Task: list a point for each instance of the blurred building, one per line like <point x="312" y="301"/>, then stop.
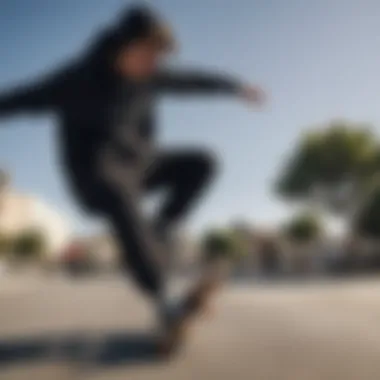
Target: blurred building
<point x="22" y="212"/>
<point x="268" y="252"/>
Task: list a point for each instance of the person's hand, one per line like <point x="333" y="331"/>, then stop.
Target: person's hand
<point x="253" y="95"/>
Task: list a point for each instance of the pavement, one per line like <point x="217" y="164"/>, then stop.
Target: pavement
<point x="101" y="329"/>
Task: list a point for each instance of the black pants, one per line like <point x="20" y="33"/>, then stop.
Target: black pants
<point x="184" y="174"/>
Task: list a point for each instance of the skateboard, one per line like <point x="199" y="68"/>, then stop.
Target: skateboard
<point x="195" y="303"/>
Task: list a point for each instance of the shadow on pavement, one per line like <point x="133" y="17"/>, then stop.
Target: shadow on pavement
<point x="109" y="349"/>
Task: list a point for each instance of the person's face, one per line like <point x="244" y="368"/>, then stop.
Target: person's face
<point x="139" y="61"/>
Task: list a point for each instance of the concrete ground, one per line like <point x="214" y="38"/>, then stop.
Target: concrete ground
<point x="56" y="329"/>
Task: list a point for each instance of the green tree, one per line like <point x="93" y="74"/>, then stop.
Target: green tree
<point x="303" y="228"/>
<point x="331" y="166"/>
<point x="29" y="244"/>
<point x="5" y="244"/>
<point x="220" y="243"/>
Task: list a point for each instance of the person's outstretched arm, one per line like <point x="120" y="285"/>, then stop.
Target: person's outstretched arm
<point x="198" y="82"/>
<point x="44" y="95"/>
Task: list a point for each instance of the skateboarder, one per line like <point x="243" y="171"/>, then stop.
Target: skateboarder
<point x="104" y="102"/>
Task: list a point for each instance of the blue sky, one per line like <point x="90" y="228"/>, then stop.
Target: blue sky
<point x="319" y="60"/>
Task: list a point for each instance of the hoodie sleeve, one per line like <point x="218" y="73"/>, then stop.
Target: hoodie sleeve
<point x="45" y="95"/>
<point x="193" y="82"/>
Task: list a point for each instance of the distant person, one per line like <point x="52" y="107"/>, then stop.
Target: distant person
<point x="105" y="103"/>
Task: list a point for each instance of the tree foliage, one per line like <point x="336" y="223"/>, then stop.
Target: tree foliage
<point x="29" y="244"/>
<point x="338" y="161"/>
<point x="303" y="228"/>
<point x="220" y="244"/>
<point x="5" y="244"/>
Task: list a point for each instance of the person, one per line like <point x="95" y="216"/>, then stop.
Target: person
<point x="105" y="104"/>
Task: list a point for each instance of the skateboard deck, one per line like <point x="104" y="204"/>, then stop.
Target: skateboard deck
<point x="195" y="303"/>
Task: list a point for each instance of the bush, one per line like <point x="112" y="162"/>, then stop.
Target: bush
<point x="5" y="244"/>
<point x="29" y="244"/>
<point x="303" y="228"/>
<point x="220" y="244"/>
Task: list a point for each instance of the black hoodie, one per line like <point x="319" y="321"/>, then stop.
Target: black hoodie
<point x="95" y="107"/>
